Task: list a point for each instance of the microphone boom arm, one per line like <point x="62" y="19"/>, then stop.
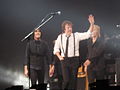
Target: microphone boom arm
<point x="37" y="27"/>
<point x="44" y="22"/>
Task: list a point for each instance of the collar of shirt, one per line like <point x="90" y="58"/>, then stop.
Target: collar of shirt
<point x="65" y="35"/>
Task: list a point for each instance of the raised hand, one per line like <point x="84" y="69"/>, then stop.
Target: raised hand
<point x="91" y="19"/>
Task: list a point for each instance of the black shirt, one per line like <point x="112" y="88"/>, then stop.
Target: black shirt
<point x="36" y="53"/>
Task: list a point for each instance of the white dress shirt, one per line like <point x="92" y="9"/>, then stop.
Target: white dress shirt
<point x="61" y="46"/>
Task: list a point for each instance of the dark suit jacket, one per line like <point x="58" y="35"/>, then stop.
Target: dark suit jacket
<point x="96" y="53"/>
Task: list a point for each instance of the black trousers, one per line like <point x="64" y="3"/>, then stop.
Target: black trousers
<point x="36" y="75"/>
<point x="69" y="72"/>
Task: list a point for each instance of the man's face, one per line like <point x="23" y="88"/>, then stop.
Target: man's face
<point x="68" y="29"/>
<point x="37" y="34"/>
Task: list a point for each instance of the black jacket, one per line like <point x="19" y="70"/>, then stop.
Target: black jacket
<point x="96" y="53"/>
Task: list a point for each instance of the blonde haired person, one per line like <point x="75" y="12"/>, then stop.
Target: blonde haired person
<point x="95" y="61"/>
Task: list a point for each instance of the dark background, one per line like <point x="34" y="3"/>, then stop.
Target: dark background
<point x="20" y="17"/>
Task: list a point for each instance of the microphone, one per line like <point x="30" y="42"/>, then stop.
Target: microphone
<point x="56" y="13"/>
<point x="118" y="25"/>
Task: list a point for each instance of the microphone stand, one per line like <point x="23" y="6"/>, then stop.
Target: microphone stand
<point x="41" y="24"/>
